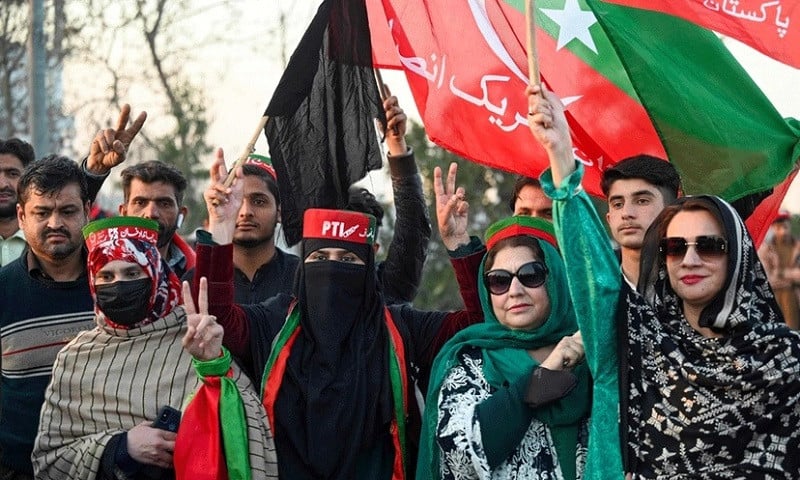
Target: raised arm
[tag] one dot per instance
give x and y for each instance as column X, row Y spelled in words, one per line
column 431, row 330
column 593, row 273
column 215, row 257
column 401, row 272
column 466, row 252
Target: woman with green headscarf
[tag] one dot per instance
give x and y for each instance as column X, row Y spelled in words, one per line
column 509, row 398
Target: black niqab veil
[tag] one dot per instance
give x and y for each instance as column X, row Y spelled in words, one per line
column 335, row 400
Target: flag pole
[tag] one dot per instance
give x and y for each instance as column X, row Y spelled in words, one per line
column 382, row 89
column 533, row 59
column 250, row 148
column 381, row 85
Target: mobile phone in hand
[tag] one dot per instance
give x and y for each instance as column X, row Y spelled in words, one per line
column 168, row 419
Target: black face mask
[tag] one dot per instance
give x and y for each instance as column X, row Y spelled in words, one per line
column 125, row 303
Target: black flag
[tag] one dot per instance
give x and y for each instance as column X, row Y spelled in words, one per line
column 321, row 127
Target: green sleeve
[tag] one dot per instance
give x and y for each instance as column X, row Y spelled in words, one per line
column 504, row 418
column 594, row 278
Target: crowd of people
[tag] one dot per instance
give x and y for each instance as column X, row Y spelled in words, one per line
column 127, row 353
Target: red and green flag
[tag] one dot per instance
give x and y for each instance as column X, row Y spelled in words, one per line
column 771, row 27
column 212, row 442
column 633, row 81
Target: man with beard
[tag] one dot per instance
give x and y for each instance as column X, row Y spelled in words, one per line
column 15, row 155
column 262, row 270
column 155, row 190
column 44, row 300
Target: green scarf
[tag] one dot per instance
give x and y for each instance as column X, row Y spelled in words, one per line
column 505, row 356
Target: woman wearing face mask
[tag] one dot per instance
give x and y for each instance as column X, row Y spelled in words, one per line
column 711, row 371
column 509, row 398
column 340, row 367
column 109, row 383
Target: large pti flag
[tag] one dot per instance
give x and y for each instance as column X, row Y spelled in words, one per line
column 321, row 128
column 772, row 27
column 633, row 82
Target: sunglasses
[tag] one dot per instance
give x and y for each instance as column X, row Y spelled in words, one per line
column 704, row 245
column 531, row 275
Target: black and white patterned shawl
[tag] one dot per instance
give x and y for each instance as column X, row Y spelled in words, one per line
column 712, row 408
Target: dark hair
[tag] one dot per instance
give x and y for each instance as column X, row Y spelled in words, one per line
column 653, row 170
column 151, row 172
column 361, row 200
column 516, row 241
column 50, row 175
column 521, row 183
column 254, row 171
column 19, row 148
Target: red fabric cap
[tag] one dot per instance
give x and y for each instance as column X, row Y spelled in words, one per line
column 343, row 225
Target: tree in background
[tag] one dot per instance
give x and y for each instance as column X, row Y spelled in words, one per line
column 142, row 51
column 14, row 87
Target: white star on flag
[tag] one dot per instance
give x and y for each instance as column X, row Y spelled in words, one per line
column 573, row 23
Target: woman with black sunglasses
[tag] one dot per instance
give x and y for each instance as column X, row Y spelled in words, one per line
column 509, row 398
column 711, row 372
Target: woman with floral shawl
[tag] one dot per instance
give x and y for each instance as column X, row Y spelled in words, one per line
column 509, row 398
column 711, row 372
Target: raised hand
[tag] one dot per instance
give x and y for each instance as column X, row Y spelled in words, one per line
column 203, row 337
column 223, row 203
column 396, row 124
column 110, row 146
column 452, row 210
column 548, row 124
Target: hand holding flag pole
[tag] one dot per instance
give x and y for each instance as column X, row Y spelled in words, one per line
column 382, row 89
column 250, row 148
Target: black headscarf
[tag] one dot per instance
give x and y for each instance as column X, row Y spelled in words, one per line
column 335, row 400
column 712, row 407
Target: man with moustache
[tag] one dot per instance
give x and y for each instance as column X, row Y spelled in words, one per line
column 15, row 155
column 154, row 190
column 151, row 189
column 44, row 300
column 261, row 269
column 44, row 293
